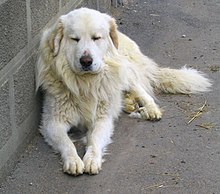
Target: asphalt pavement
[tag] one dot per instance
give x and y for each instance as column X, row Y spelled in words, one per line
column 179, row 154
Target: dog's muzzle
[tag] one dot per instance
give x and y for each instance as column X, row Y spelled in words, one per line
column 86, row 62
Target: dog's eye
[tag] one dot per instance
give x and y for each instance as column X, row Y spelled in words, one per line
column 75, row 39
column 96, row 38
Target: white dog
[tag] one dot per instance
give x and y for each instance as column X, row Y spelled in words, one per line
column 85, row 66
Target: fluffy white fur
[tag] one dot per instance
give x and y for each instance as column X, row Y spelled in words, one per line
column 91, row 94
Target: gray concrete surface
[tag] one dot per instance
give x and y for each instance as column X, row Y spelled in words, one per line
column 169, row 156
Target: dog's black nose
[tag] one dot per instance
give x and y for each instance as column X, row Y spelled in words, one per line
column 86, row 61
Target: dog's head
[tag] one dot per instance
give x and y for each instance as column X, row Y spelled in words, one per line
column 84, row 36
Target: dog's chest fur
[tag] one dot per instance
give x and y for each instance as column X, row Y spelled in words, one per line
column 89, row 98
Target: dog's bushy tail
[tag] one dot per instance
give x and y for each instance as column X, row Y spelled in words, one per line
column 184, row 80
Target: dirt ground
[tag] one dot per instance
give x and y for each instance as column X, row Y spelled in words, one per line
column 171, row 156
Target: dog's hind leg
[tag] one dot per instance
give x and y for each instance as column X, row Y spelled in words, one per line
column 97, row 140
column 55, row 134
column 148, row 108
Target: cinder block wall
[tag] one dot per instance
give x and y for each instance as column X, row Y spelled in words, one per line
column 21, row 24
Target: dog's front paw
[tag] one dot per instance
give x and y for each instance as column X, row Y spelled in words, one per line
column 92, row 163
column 151, row 113
column 73, row 165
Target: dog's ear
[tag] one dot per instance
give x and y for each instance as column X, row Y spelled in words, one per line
column 56, row 37
column 113, row 32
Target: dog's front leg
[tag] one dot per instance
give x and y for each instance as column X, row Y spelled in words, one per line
column 97, row 139
column 55, row 133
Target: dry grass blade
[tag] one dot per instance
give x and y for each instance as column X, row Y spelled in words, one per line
column 171, row 182
column 206, row 125
column 155, row 186
column 198, row 113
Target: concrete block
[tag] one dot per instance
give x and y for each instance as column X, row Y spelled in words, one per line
column 104, row 5
column 74, row 3
column 64, row 2
column 13, row 29
column 5, row 124
column 24, row 89
column 41, row 12
column 92, row 4
column 101, row 5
